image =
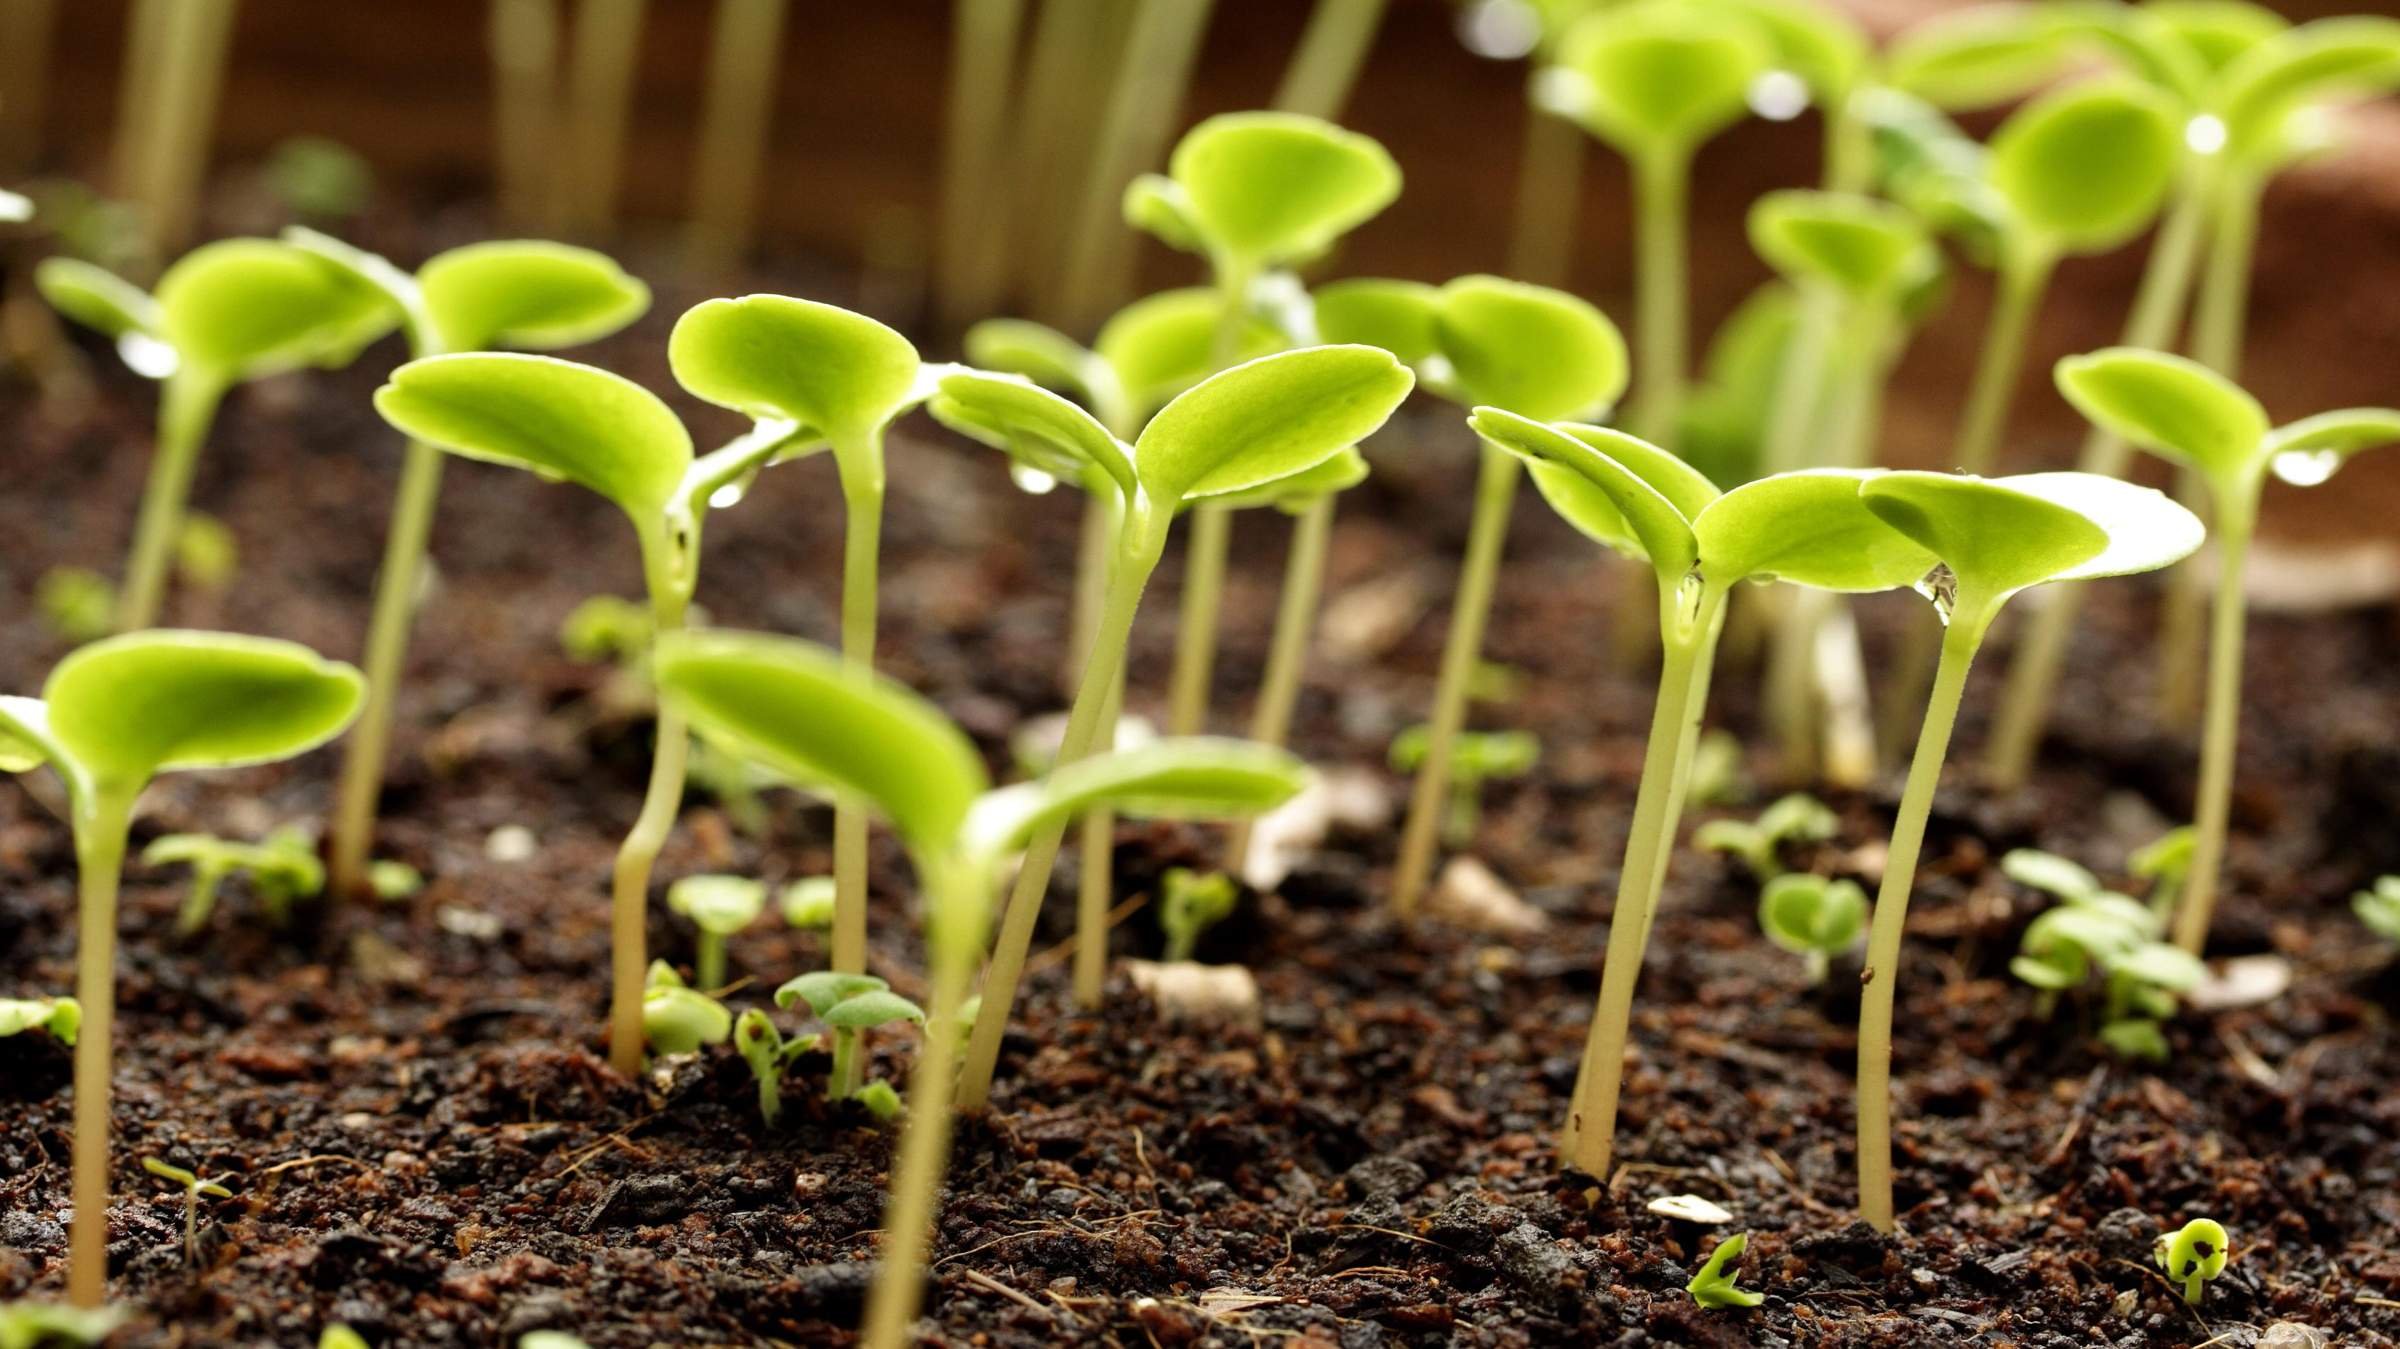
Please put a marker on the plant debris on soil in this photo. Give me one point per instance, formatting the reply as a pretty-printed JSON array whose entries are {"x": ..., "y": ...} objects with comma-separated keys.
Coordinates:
[{"x": 425, "y": 1142}]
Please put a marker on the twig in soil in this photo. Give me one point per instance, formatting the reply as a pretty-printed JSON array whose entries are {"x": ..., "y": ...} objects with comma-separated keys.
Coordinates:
[
  {"x": 1065, "y": 950},
  {"x": 298, "y": 1162},
  {"x": 2365, "y": 1301},
  {"x": 613, "y": 1140},
  {"x": 1791, "y": 1180},
  {"x": 2084, "y": 1101},
  {"x": 991, "y": 1285}
]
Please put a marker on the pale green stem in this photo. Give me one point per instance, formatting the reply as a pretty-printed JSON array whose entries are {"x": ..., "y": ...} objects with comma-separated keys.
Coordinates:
[
  {"x": 2158, "y": 306},
  {"x": 1800, "y": 393},
  {"x": 1325, "y": 66},
  {"x": 1703, "y": 674},
  {"x": 1541, "y": 242},
  {"x": 25, "y": 55},
  {"x": 1287, "y": 653},
  {"x": 1091, "y": 579},
  {"x": 629, "y": 892},
  {"x": 1205, "y": 546},
  {"x": 102, "y": 816},
  {"x": 1882, "y": 971},
  {"x": 862, "y": 497},
  {"x": 842, "y": 1082},
  {"x": 1589, "y": 1138},
  {"x": 607, "y": 38},
  {"x": 983, "y": 46},
  {"x": 739, "y": 98},
  {"x": 187, "y": 405},
  {"x": 2237, "y": 514},
  {"x": 1095, "y": 892},
  {"x": 183, "y": 114},
  {"x": 1495, "y": 494},
  {"x": 201, "y": 900},
  {"x": 1071, "y": 38},
  {"x": 1662, "y": 189},
  {"x": 708, "y": 960},
  {"x": 523, "y": 40}
]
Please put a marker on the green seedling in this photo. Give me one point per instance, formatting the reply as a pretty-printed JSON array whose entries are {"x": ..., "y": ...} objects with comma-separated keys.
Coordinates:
[
  {"x": 1713, "y": 1287},
  {"x": 1189, "y": 904},
  {"x": 339, "y": 1336},
  {"x": 677, "y": 1018},
  {"x": 1993, "y": 538},
  {"x": 195, "y": 1188},
  {"x": 809, "y": 715},
  {"x": 111, "y": 717},
  {"x": 282, "y": 868},
  {"x": 745, "y": 46},
  {"x": 319, "y": 180},
  {"x": 1251, "y": 192},
  {"x": 838, "y": 379},
  {"x": 736, "y": 785},
  {"x": 1813, "y": 918},
  {"x": 2166, "y": 862},
  {"x": 1807, "y": 528},
  {"x": 1476, "y": 757},
  {"x": 2378, "y": 908},
  {"x": 719, "y": 906},
  {"x": 766, "y": 1051},
  {"x": 1796, "y": 818},
  {"x": 2193, "y": 417},
  {"x": 880, "y": 1099},
  {"x": 34, "y": 1325},
  {"x": 1263, "y": 422},
  {"x": 850, "y": 1005},
  {"x": 574, "y": 423},
  {"x": 609, "y": 628},
  {"x": 808, "y": 903},
  {"x": 59, "y": 1018},
  {"x": 1655, "y": 79},
  {"x": 2193, "y": 1254},
  {"x": 1717, "y": 769},
  {"x": 2094, "y": 928},
  {"x": 1478, "y": 341},
  {"x": 392, "y": 881},
  {"x": 77, "y": 603},
  {"x": 226, "y": 314},
  {"x": 519, "y": 294}
]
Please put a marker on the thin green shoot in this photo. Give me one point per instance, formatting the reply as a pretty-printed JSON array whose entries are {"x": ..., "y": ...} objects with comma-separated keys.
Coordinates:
[
  {"x": 1713, "y": 1287},
  {"x": 2193, "y": 1254},
  {"x": 2378, "y": 907},
  {"x": 718, "y": 907},
  {"x": 677, "y": 1018},
  {"x": 1476, "y": 757},
  {"x": 1797, "y": 818},
  {"x": 769, "y": 1056},
  {"x": 282, "y": 868},
  {"x": 850, "y": 1005},
  {"x": 195, "y": 1188},
  {"x": 1189, "y": 904}
]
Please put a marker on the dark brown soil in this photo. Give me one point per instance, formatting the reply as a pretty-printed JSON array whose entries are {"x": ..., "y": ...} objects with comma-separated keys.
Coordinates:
[{"x": 426, "y": 1143}]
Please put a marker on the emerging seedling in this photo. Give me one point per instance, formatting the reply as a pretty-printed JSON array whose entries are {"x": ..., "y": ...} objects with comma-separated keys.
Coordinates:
[
  {"x": 1993, "y": 539},
  {"x": 850, "y": 1005},
  {"x": 1796, "y": 818},
  {"x": 226, "y": 314},
  {"x": 77, "y": 603},
  {"x": 112, "y": 716},
  {"x": 194, "y": 1190},
  {"x": 2378, "y": 908},
  {"x": 2193, "y": 1254},
  {"x": 574, "y": 423},
  {"x": 804, "y": 712},
  {"x": 2167, "y": 862},
  {"x": 59, "y": 1018},
  {"x": 718, "y": 906},
  {"x": 34, "y": 1325},
  {"x": 677, "y": 1018},
  {"x": 1713, "y": 1286},
  {"x": 2094, "y": 928},
  {"x": 808, "y": 903},
  {"x": 1813, "y": 918},
  {"x": 282, "y": 868},
  {"x": 1476, "y": 757},
  {"x": 766, "y": 1051},
  {"x": 1189, "y": 904}
]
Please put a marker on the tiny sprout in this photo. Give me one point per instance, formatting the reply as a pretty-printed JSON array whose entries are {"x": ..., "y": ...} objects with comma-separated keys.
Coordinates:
[
  {"x": 2193, "y": 1254},
  {"x": 608, "y": 628},
  {"x": 206, "y": 555},
  {"x": 77, "y": 603},
  {"x": 719, "y": 906},
  {"x": 881, "y": 1099},
  {"x": 766, "y": 1051},
  {"x": 393, "y": 881},
  {"x": 1475, "y": 758},
  {"x": 34, "y": 1325},
  {"x": 1189, "y": 904},
  {"x": 58, "y": 1017},
  {"x": 2378, "y": 908},
  {"x": 848, "y": 1004},
  {"x": 1796, "y": 818},
  {"x": 1813, "y": 918},
  {"x": 319, "y": 179},
  {"x": 2166, "y": 861},
  {"x": 1714, "y": 1286},
  {"x": 282, "y": 868},
  {"x": 808, "y": 903},
  {"x": 1716, "y": 768},
  {"x": 339, "y": 1336},
  {"x": 677, "y": 1018},
  {"x": 194, "y": 1189}
]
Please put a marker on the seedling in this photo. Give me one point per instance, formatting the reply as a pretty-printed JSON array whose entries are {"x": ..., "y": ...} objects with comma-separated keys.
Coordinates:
[
  {"x": 808, "y": 903},
  {"x": 840, "y": 378},
  {"x": 609, "y": 628},
  {"x": 806, "y": 713},
  {"x": 59, "y": 1018},
  {"x": 2193, "y": 1254},
  {"x": 1251, "y": 192},
  {"x": 1813, "y": 918},
  {"x": 718, "y": 906},
  {"x": 1189, "y": 904},
  {"x": 2167, "y": 862},
  {"x": 227, "y": 313},
  {"x": 319, "y": 180},
  {"x": 1476, "y": 757},
  {"x": 2094, "y": 928},
  {"x": 33, "y": 1325},
  {"x": 526, "y": 295},
  {"x": 2378, "y": 908},
  {"x": 206, "y": 556},
  {"x": 574, "y": 423},
  {"x": 1796, "y": 818},
  {"x": 78, "y": 603},
  {"x": 1993, "y": 538},
  {"x": 1478, "y": 341},
  {"x": 2191, "y": 416},
  {"x": 850, "y": 1005},
  {"x": 1262, "y": 422},
  {"x": 282, "y": 868},
  {"x": 194, "y": 1190},
  {"x": 768, "y": 1054},
  {"x": 1713, "y": 1286},
  {"x": 677, "y": 1018},
  {"x": 112, "y": 716},
  {"x": 1807, "y": 528},
  {"x": 339, "y": 1336}
]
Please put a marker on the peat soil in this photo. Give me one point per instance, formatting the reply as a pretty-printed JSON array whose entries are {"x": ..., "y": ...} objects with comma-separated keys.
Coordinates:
[{"x": 424, "y": 1141}]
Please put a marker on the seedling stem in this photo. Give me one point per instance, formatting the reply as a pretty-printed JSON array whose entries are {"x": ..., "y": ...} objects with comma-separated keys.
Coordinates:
[
  {"x": 1662, "y": 188},
  {"x": 187, "y": 405},
  {"x": 1287, "y": 653}
]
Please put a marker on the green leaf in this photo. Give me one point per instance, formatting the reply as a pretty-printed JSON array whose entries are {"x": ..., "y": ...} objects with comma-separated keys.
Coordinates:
[
  {"x": 2171, "y": 406},
  {"x": 1714, "y": 1286},
  {"x": 1194, "y": 777},
  {"x": 60, "y": 1018},
  {"x": 1163, "y": 344},
  {"x": 872, "y": 1008},
  {"x": 1822, "y": 45},
  {"x": 2049, "y": 873},
  {"x": 1267, "y": 188},
  {"x": 679, "y": 1020},
  {"x": 823, "y": 990},
  {"x": 2310, "y": 450},
  {"x": 1158, "y": 206},
  {"x": 1660, "y": 76},
  {"x": 2351, "y": 57},
  {"x": 772, "y": 356},
  {"x": 1266, "y": 419},
  {"x": 1398, "y": 316},
  {"x": 1810, "y": 528},
  {"x": 2160, "y": 965},
  {"x": 1806, "y": 914},
  {"x": 1033, "y": 425},
  {"x": 24, "y": 734},
  {"x": 1040, "y": 353},
  {"x": 1533, "y": 350},
  {"x": 2085, "y": 168},
  {"x": 718, "y": 905},
  {"x": 1622, "y": 492},
  {"x": 795, "y": 707},
  {"x": 1996, "y": 541},
  {"x": 2217, "y": 32},
  {"x": 2146, "y": 528},
  {"x": 1871, "y": 250},
  {"x": 126, "y": 708},
  {"x": 1342, "y": 472},
  {"x": 95, "y": 297},
  {"x": 1975, "y": 57},
  {"x": 242, "y": 308},
  {"x": 557, "y": 418},
  {"x": 527, "y": 293}
]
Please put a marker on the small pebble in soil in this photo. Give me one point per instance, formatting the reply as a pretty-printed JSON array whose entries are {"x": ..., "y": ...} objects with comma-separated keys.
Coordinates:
[{"x": 511, "y": 843}]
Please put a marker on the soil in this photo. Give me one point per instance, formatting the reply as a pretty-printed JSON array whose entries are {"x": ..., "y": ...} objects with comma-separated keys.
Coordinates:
[{"x": 425, "y": 1142}]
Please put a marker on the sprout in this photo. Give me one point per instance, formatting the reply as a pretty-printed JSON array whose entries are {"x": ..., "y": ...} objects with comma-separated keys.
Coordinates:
[
  {"x": 1713, "y": 1286},
  {"x": 112, "y": 716},
  {"x": 194, "y": 1189},
  {"x": 808, "y": 714},
  {"x": 574, "y": 423},
  {"x": 77, "y": 602},
  {"x": 2200, "y": 420},
  {"x": 1993, "y": 538},
  {"x": 1809, "y": 528},
  {"x": 2094, "y": 928},
  {"x": 677, "y": 1018},
  {"x": 339, "y": 1336},
  {"x": 32, "y": 1325},
  {"x": 2167, "y": 862},
  {"x": 718, "y": 906},
  {"x": 1475, "y": 758},
  {"x": 282, "y": 868},
  {"x": 2378, "y": 908},
  {"x": 59, "y": 1018},
  {"x": 319, "y": 179},
  {"x": 518, "y": 294},
  {"x": 808, "y": 903},
  {"x": 850, "y": 1005},
  {"x": 1796, "y": 818},
  {"x": 1189, "y": 904},
  {"x": 881, "y": 1099},
  {"x": 768, "y": 1054},
  {"x": 608, "y": 628},
  {"x": 2193, "y": 1254},
  {"x": 392, "y": 881},
  {"x": 1263, "y": 422},
  {"x": 1813, "y": 918}
]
